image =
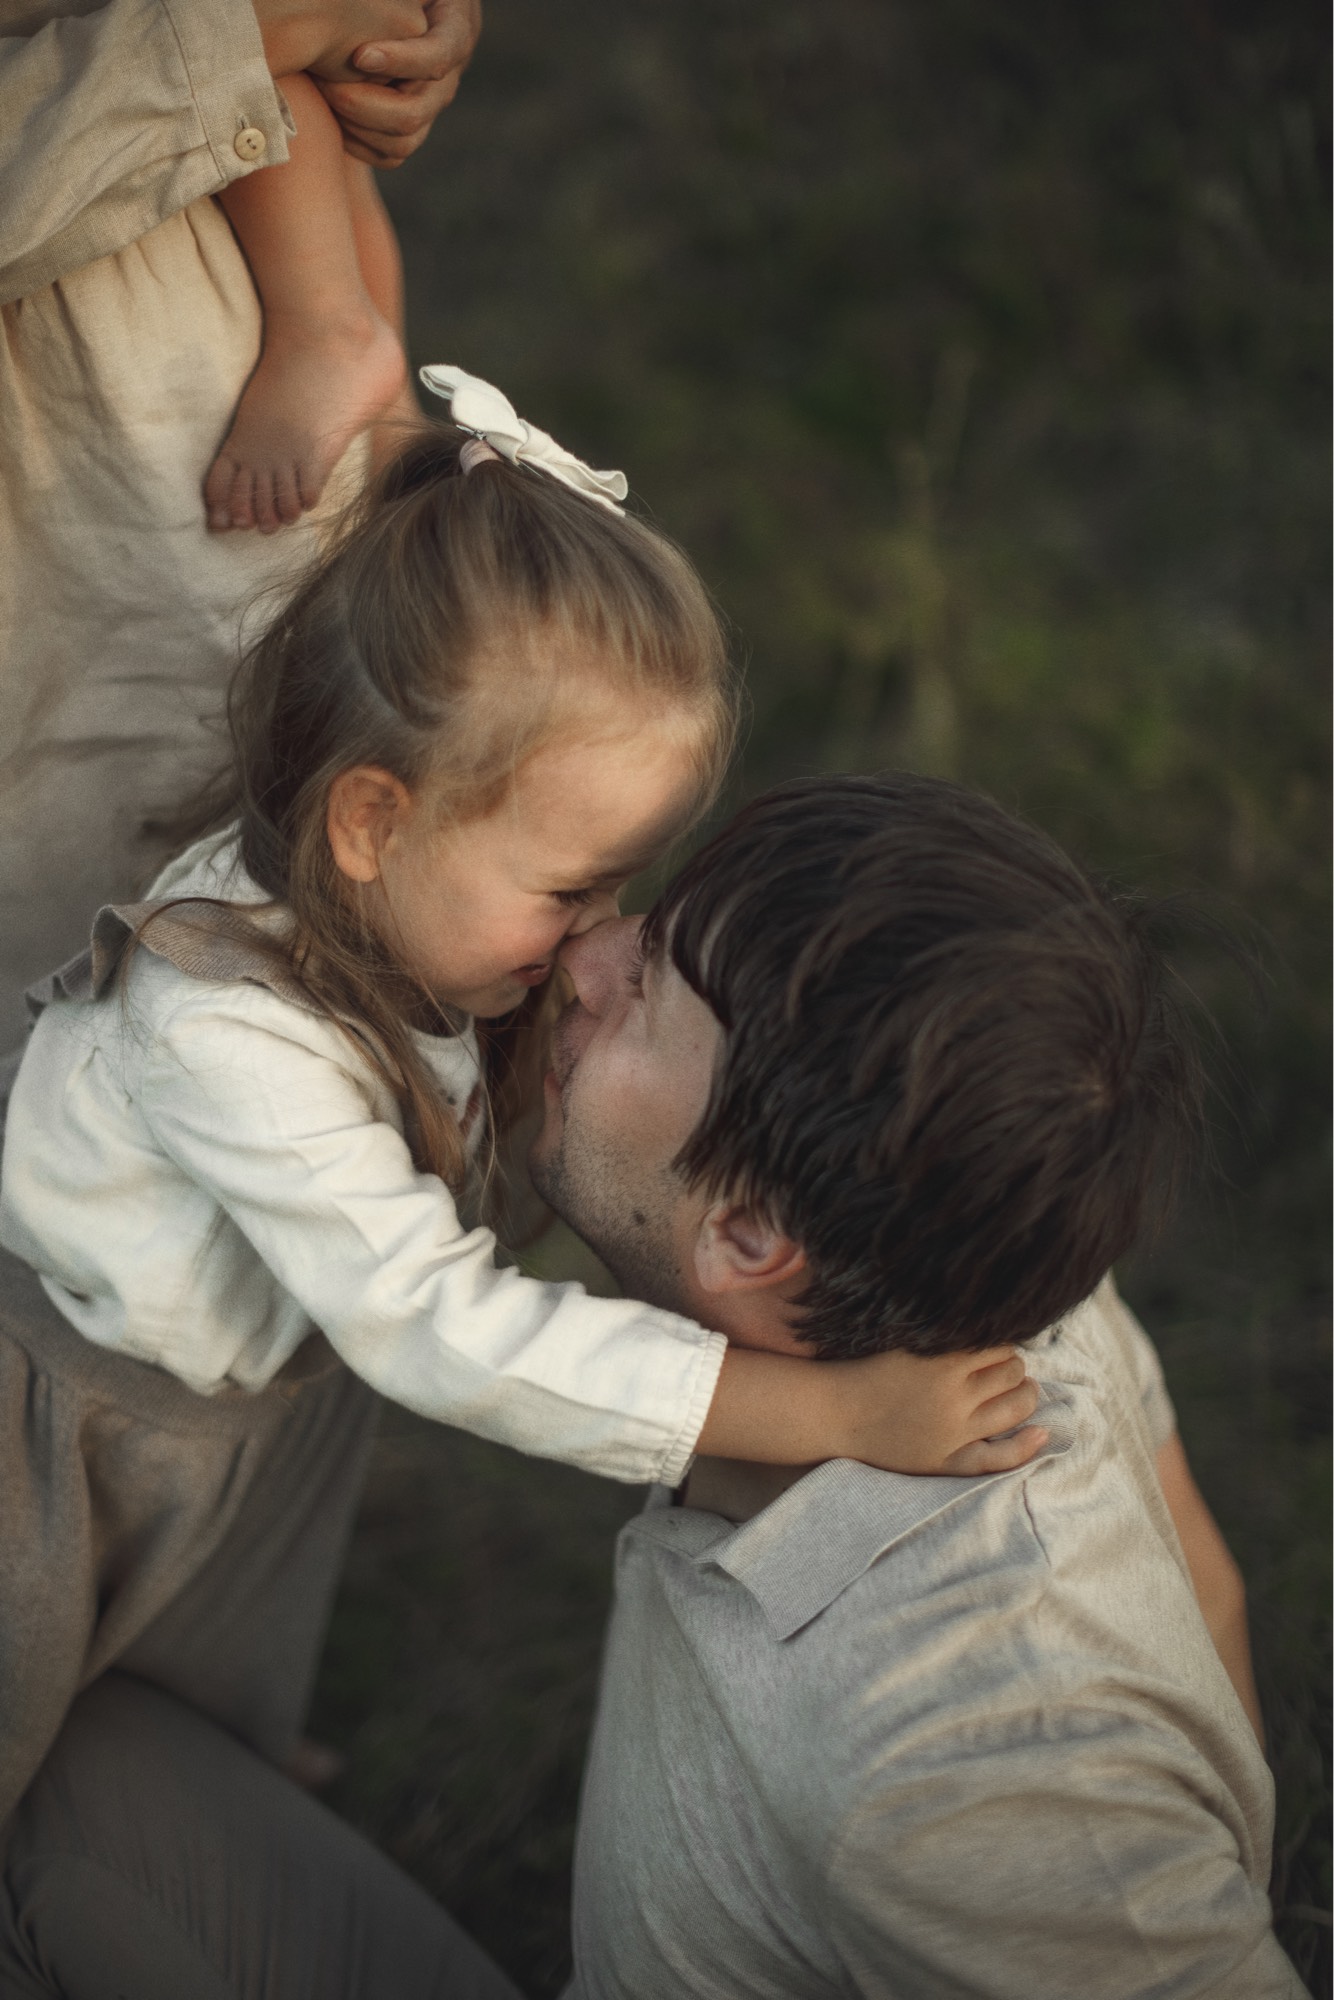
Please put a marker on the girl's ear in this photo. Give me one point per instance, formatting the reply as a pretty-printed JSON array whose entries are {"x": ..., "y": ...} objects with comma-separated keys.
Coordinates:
[
  {"x": 737, "y": 1250},
  {"x": 366, "y": 806}
]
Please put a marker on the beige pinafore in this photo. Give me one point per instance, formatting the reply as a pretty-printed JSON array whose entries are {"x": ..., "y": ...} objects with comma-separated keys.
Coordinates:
[{"x": 192, "y": 1540}]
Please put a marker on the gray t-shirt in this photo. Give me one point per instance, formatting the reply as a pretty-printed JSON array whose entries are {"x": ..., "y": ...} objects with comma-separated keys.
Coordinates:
[{"x": 928, "y": 1738}]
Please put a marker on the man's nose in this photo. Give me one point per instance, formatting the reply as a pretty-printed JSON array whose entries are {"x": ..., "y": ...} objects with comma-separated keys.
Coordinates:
[
  {"x": 597, "y": 910},
  {"x": 598, "y": 961}
]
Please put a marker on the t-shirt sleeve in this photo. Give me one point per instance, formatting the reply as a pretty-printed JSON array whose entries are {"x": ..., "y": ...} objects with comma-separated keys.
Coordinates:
[
  {"x": 1140, "y": 1357},
  {"x": 1077, "y": 1855},
  {"x": 249, "y": 1099},
  {"x": 113, "y": 120}
]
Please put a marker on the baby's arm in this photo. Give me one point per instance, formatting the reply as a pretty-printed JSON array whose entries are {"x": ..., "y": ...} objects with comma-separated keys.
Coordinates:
[
  {"x": 382, "y": 270},
  {"x": 332, "y": 360}
]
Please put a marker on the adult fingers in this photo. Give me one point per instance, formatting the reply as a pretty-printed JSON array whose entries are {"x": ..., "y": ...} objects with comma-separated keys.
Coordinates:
[
  {"x": 385, "y": 126},
  {"x": 388, "y": 111},
  {"x": 445, "y": 48},
  {"x": 383, "y": 155}
]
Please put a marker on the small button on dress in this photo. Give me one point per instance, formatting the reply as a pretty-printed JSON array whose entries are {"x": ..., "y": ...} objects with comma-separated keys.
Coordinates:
[{"x": 250, "y": 143}]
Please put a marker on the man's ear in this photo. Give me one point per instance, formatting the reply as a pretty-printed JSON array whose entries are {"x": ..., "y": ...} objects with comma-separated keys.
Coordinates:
[
  {"x": 737, "y": 1250},
  {"x": 366, "y": 805}
]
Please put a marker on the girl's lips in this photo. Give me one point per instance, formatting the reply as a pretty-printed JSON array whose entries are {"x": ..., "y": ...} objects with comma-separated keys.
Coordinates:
[{"x": 532, "y": 975}]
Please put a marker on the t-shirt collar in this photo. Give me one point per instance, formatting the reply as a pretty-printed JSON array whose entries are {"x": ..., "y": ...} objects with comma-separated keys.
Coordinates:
[{"x": 808, "y": 1546}]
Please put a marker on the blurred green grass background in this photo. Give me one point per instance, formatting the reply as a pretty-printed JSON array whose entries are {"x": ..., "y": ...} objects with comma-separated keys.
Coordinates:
[{"x": 978, "y": 356}]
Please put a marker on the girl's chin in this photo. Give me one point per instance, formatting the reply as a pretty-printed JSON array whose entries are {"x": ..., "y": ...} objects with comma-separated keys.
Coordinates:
[{"x": 500, "y": 996}]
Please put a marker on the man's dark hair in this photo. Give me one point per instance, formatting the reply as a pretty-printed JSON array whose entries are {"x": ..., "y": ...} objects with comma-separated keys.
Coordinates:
[{"x": 954, "y": 1069}]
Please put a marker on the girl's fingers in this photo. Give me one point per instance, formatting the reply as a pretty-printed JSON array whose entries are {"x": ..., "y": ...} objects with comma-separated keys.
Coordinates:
[
  {"x": 1003, "y": 1413},
  {"x": 995, "y": 1373},
  {"x": 997, "y": 1454}
]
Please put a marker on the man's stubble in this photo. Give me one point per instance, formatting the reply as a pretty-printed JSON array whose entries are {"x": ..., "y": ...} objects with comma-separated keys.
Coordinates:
[{"x": 621, "y": 1211}]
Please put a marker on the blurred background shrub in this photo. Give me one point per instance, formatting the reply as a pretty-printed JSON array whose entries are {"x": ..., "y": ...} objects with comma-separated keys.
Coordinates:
[{"x": 978, "y": 355}]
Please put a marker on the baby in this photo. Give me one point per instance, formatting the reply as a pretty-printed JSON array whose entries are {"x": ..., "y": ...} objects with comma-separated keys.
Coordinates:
[{"x": 326, "y": 265}]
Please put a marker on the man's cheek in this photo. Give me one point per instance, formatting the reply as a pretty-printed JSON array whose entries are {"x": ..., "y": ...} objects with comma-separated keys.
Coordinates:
[
  {"x": 547, "y": 1137},
  {"x": 569, "y": 1039},
  {"x": 602, "y": 1103}
]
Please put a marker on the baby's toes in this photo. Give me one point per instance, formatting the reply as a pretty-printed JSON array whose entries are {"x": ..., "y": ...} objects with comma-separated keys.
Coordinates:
[
  {"x": 286, "y": 498},
  {"x": 266, "y": 511},
  {"x": 218, "y": 493},
  {"x": 242, "y": 502},
  {"x": 310, "y": 477}
]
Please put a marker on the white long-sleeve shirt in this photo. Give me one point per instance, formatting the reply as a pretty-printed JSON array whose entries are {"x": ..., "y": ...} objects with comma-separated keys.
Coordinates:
[{"x": 202, "y": 1172}]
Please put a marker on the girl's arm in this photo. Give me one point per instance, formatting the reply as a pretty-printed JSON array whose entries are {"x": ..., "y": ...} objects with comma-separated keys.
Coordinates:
[
  {"x": 898, "y": 1411},
  {"x": 258, "y": 1103}
]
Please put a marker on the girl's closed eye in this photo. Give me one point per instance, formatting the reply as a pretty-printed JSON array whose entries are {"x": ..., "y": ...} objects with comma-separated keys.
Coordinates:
[{"x": 573, "y": 899}]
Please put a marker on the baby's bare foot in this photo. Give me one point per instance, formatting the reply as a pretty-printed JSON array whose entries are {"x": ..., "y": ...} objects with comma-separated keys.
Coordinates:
[
  {"x": 395, "y": 429},
  {"x": 315, "y": 388}
]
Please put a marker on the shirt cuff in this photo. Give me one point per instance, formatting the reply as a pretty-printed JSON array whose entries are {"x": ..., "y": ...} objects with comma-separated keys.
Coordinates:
[
  {"x": 245, "y": 121},
  {"x": 676, "y": 1462}
]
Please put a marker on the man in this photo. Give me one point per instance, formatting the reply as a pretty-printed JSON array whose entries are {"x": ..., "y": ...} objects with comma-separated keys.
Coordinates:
[
  {"x": 882, "y": 1067},
  {"x": 885, "y": 1069}
]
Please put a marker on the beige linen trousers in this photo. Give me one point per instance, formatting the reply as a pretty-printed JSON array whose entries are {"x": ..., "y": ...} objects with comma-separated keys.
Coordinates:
[{"x": 194, "y": 1541}]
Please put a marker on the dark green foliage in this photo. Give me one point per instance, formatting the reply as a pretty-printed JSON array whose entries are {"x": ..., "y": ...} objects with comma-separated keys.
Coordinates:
[{"x": 978, "y": 355}]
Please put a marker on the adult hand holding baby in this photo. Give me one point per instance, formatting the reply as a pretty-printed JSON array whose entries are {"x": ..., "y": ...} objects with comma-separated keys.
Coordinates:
[
  {"x": 386, "y": 67},
  {"x": 385, "y": 120},
  {"x": 323, "y": 34}
]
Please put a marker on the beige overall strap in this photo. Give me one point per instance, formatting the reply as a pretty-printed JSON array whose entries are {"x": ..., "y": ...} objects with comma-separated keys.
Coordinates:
[{"x": 204, "y": 940}]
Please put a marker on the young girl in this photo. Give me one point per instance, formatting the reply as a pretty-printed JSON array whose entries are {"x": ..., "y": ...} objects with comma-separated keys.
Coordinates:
[
  {"x": 325, "y": 262},
  {"x": 261, "y": 1103}
]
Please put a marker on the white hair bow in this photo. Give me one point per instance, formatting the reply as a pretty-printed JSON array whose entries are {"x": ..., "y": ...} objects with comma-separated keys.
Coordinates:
[{"x": 478, "y": 407}]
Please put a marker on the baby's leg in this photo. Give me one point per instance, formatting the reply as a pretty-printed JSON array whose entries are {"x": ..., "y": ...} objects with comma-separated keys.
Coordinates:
[
  {"x": 331, "y": 362},
  {"x": 382, "y": 270}
]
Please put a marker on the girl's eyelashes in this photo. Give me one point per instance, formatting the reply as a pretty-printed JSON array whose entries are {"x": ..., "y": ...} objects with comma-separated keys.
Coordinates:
[
  {"x": 574, "y": 899},
  {"x": 634, "y": 971}
]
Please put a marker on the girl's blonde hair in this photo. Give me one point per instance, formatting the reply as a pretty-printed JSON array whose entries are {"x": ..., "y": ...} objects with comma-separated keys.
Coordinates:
[{"x": 410, "y": 645}]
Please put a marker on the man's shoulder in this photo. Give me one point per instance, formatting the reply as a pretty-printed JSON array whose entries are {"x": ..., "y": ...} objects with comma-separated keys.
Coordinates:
[
  {"x": 954, "y": 1700},
  {"x": 865, "y": 1599}
]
